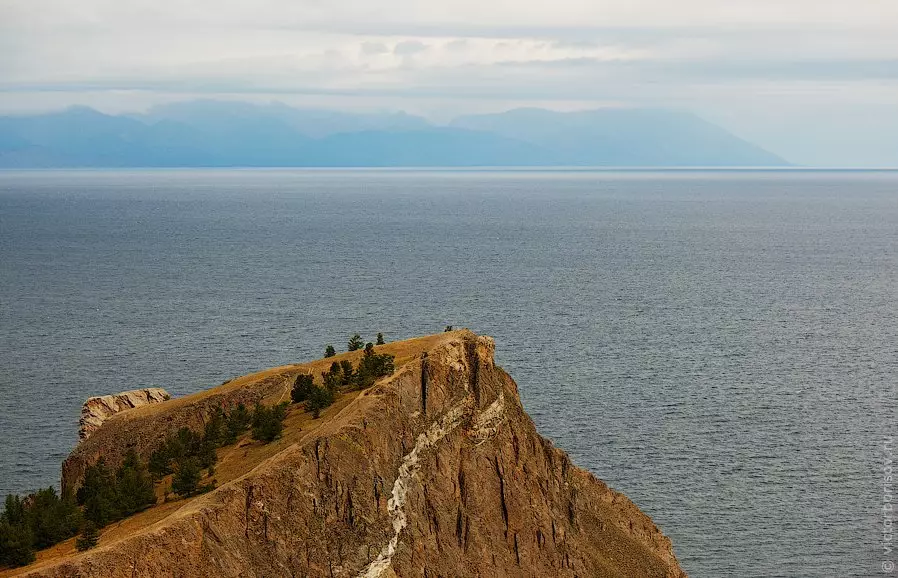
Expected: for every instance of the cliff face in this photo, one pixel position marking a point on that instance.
(435, 471)
(96, 410)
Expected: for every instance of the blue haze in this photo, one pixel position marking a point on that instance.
(719, 346)
(228, 134)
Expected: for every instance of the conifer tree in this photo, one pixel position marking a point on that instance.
(89, 537)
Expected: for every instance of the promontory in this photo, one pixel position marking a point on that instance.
(434, 470)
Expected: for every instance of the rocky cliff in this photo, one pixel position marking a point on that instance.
(98, 409)
(434, 471)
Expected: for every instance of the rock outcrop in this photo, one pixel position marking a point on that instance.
(434, 471)
(98, 409)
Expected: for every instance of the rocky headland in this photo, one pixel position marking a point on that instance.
(434, 471)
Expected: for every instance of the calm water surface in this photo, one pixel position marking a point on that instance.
(722, 347)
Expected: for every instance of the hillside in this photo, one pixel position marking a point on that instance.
(223, 134)
(433, 471)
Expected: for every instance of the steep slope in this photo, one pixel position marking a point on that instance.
(434, 471)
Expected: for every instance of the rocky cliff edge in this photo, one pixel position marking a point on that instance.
(434, 471)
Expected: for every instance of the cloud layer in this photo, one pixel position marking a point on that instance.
(727, 59)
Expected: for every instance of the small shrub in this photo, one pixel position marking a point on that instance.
(380, 339)
(329, 351)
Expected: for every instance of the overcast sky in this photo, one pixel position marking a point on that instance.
(813, 80)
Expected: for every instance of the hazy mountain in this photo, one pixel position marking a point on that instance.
(215, 116)
(625, 137)
(215, 134)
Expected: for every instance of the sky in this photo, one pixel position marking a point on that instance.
(814, 81)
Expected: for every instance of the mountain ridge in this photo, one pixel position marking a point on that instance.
(226, 134)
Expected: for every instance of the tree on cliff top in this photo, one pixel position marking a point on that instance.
(380, 339)
(355, 342)
(329, 351)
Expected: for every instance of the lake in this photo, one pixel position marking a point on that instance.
(720, 346)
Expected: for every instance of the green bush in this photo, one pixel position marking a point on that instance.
(380, 339)
(329, 351)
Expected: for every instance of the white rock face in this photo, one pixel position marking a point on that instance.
(98, 409)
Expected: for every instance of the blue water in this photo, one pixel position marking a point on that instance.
(722, 347)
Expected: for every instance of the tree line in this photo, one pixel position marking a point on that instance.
(342, 375)
(107, 494)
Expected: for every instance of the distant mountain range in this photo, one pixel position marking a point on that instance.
(226, 134)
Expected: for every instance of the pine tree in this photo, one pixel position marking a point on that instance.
(135, 487)
(380, 339)
(238, 420)
(329, 351)
(268, 422)
(187, 477)
(321, 398)
(89, 537)
(302, 387)
(98, 494)
(347, 371)
(355, 342)
(16, 548)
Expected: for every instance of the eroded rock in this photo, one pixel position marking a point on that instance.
(98, 409)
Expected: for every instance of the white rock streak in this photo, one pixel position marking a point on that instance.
(486, 423)
(408, 470)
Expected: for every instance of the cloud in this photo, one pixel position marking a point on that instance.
(409, 47)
